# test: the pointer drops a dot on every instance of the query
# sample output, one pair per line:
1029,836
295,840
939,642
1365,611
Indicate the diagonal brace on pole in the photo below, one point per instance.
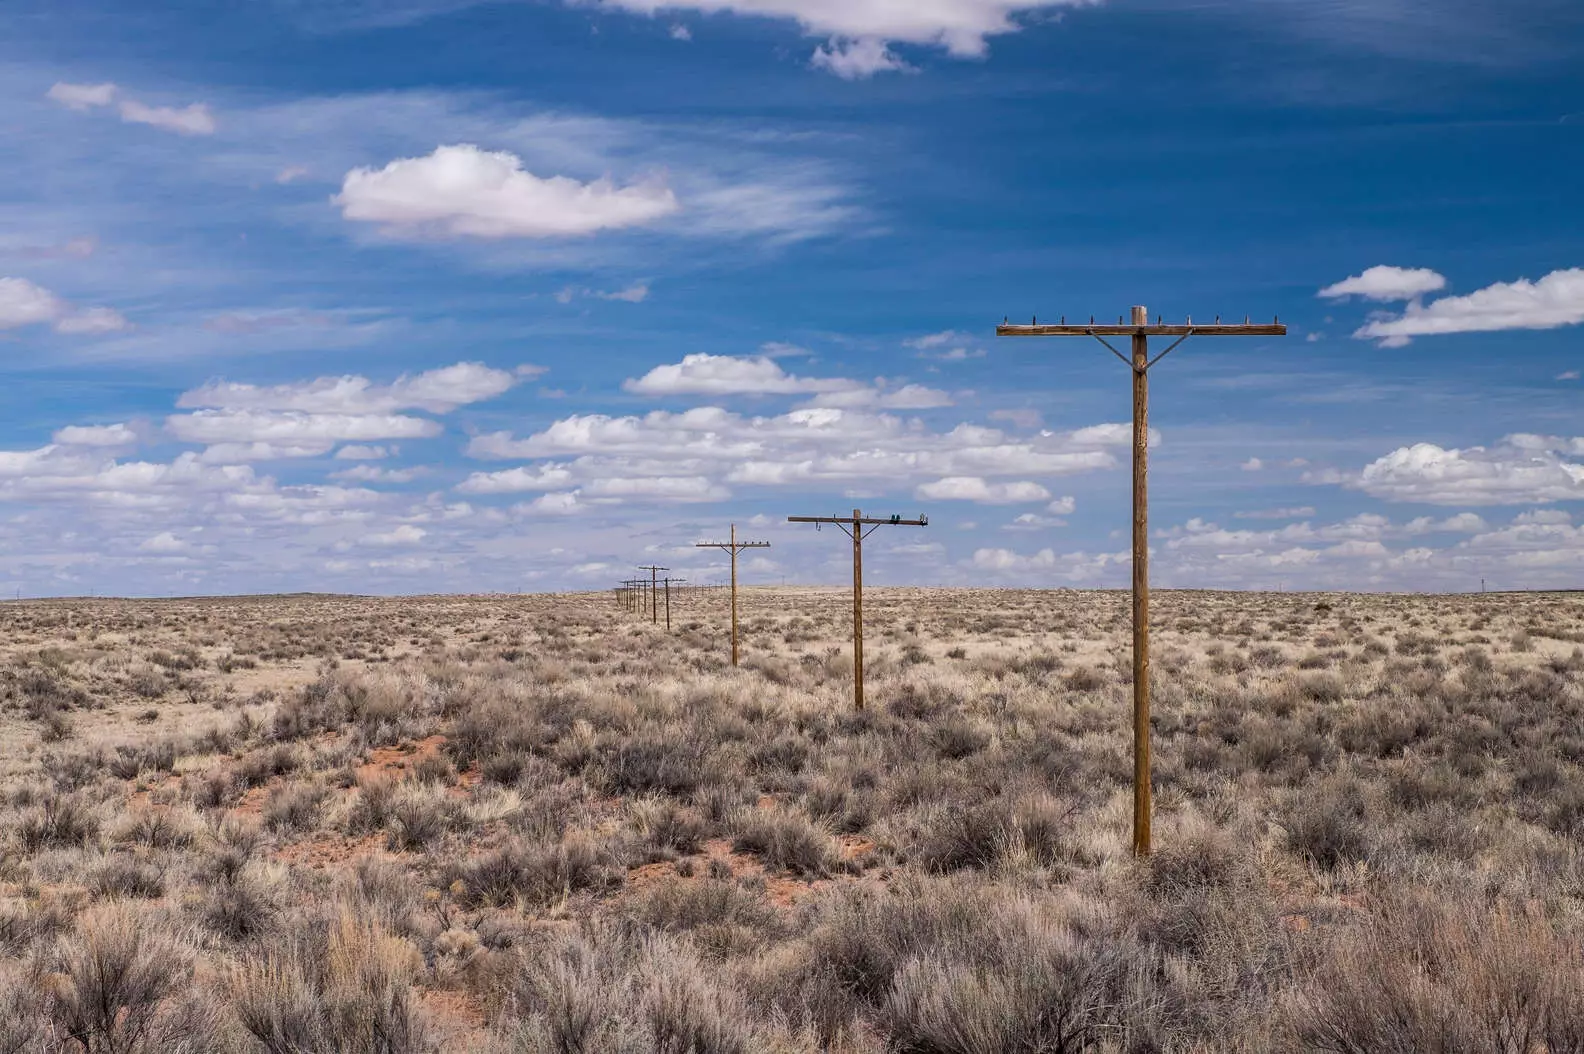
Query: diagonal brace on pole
853,527
733,547
1139,330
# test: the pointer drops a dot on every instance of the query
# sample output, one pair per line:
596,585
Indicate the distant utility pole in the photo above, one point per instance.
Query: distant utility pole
654,611
734,547
631,585
853,527
1141,331
668,582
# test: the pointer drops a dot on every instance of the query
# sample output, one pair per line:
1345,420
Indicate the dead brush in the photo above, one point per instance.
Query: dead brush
349,990
785,841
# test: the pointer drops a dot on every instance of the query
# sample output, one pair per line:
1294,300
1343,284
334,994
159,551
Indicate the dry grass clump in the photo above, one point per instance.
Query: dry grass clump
540,824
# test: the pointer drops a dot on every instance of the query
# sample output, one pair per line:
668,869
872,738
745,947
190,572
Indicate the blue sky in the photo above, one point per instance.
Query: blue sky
430,295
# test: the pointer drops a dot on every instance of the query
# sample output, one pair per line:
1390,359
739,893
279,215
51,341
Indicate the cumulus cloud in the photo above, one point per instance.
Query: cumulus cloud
1047,564
948,345
1552,302
404,535
1387,284
374,474
848,449
853,60
703,374
437,391
164,542
1520,469
292,433
24,304
361,452
861,29
977,489
116,435
463,191
539,477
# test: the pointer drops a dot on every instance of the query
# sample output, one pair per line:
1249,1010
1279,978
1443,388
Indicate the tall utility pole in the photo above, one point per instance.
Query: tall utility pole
668,582
853,527
734,547
654,610
1140,330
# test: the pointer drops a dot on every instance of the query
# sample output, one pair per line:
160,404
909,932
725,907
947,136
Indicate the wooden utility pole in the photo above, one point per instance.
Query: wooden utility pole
654,609
853,527
734,547
668,582
1139,329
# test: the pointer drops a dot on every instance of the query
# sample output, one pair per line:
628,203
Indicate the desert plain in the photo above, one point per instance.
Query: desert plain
548,824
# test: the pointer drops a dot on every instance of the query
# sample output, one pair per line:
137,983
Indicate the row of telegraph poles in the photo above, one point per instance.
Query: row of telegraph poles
642,596
857,527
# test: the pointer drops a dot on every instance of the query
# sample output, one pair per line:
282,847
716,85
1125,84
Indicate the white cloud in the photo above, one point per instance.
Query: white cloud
730,375
960,26
636,293
1297,512
1386,284
561,504
976,489
908,397
195,119
853,60
116,435
404,535
463,191
936,340
164,542
82,96
24,304
375,474
93,321
438,391
846,450
1063,506
358,452
239,453
1048,564
307,434
669,489
1554,301
1518,470
515,480
1568,375
681,32
1253,464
